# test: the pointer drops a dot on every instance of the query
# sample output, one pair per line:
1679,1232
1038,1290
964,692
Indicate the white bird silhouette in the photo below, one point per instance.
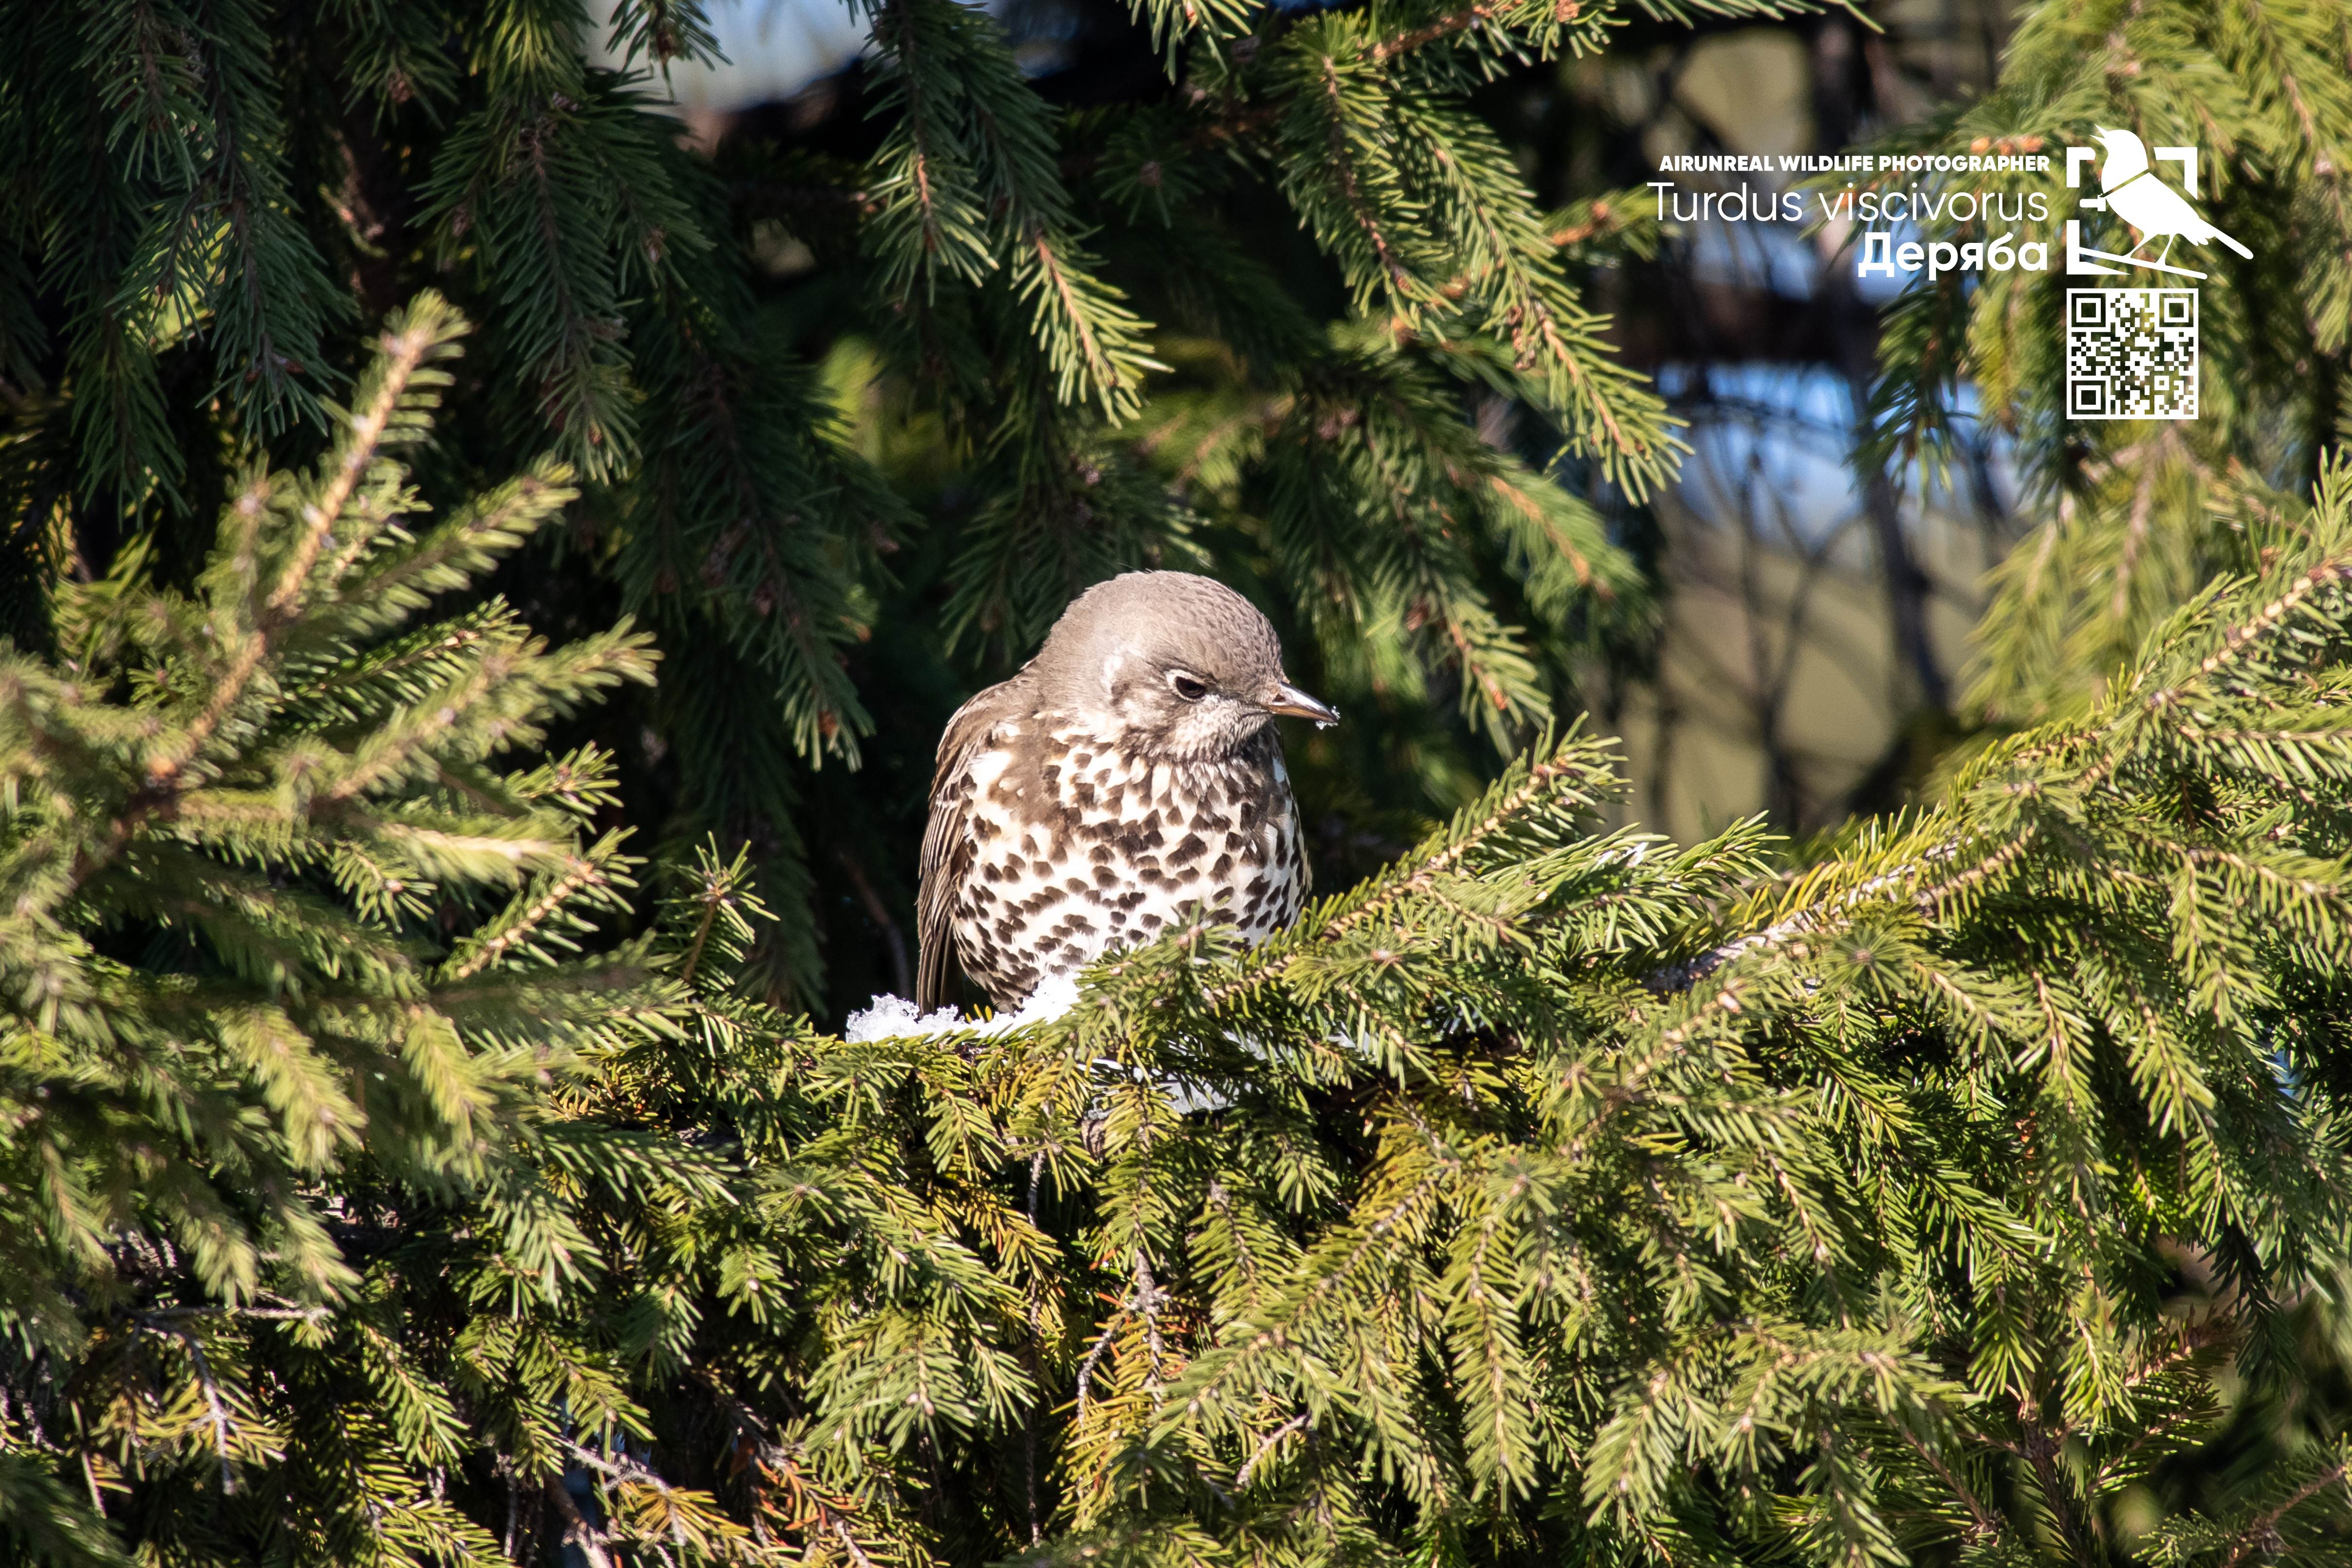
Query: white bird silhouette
2151,208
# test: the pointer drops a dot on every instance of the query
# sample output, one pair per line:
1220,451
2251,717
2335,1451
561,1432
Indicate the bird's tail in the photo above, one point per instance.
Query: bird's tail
2233,244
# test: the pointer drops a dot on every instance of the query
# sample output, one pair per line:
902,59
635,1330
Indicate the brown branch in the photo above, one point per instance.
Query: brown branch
1983,1526
1148,1298
1095,1356
1050,265
577,1531
405,352
879,913
2041,1451
1445,26
841,1530
1348,185
1538,783
1373,1239
1535,514
577,874
216,1414
1265,1445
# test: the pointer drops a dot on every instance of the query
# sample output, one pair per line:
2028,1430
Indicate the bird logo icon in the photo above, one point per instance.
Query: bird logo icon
2132,351
2131,189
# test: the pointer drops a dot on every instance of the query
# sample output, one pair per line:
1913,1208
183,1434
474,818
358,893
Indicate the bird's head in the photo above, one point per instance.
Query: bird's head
2122,144
1169,664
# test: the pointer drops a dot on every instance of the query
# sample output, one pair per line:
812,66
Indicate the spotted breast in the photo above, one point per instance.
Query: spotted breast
1077,849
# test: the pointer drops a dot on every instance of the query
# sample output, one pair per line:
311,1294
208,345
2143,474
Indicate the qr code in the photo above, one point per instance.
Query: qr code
2131,353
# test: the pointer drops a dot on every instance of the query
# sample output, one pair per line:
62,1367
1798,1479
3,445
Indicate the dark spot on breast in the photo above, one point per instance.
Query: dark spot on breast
1224,863
1188,848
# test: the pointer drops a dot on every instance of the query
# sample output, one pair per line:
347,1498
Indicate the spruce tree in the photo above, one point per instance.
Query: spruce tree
294,913
1552,1195
1968,1188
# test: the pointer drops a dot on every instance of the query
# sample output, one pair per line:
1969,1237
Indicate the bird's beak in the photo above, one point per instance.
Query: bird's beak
1291,703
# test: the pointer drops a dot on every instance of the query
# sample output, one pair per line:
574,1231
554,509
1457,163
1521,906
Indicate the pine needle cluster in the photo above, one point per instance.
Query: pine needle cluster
294,915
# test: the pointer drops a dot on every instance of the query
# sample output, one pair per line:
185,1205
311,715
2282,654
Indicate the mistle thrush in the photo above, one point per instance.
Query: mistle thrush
1129,775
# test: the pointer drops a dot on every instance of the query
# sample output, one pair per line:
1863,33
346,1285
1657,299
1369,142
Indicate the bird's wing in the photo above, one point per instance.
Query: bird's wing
947,838
2164,210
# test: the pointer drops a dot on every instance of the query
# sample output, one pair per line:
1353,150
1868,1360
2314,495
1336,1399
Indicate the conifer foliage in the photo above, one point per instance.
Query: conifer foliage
2133,516
1560,1197
1550,1198
290,899
1107,324
379,1184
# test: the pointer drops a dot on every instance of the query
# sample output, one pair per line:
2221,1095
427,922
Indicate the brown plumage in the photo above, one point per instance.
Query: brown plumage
1127,777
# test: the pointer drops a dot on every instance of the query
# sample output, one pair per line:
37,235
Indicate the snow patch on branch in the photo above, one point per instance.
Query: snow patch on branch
896,1017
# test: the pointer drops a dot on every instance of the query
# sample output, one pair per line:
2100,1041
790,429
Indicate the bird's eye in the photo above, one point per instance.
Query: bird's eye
1192,688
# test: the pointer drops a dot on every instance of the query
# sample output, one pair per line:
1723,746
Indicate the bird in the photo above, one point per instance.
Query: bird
2151,208
1129,775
